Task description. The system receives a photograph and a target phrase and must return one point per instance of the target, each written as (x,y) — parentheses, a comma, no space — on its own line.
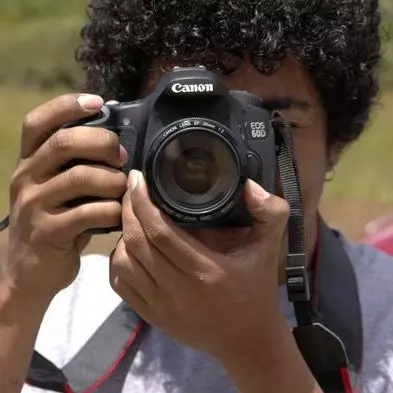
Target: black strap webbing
(296,269)
(43,374)
(337,296)
(332,348)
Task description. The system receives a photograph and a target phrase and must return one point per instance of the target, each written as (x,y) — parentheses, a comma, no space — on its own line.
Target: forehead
(290,81)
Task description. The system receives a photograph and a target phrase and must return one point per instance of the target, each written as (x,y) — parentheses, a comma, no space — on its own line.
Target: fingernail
(123,155)
(258,191)
(134,178)
(112,103)
(90,102)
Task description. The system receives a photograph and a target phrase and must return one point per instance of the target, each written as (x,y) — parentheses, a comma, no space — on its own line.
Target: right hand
(45,236)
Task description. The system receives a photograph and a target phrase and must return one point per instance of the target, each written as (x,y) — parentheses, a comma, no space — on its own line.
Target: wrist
(259,343)
(272,363)
(19,281)
(18,303)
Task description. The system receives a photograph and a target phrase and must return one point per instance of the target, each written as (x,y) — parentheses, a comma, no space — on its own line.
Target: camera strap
(298,285)
(322,349)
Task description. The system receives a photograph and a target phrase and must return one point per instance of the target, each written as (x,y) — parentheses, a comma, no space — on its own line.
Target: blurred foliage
(387,31)
(38,40)
(26,10)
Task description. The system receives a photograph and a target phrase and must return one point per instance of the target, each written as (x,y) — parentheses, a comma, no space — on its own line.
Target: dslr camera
(197,144)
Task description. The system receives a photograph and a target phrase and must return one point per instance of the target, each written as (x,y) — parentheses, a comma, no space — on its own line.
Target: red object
(68,389)
(379,234)
(346,380)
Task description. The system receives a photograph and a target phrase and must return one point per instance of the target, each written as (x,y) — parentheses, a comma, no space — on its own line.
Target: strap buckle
(297,278)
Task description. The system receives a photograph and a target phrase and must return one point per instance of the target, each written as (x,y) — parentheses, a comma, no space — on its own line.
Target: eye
(294,124)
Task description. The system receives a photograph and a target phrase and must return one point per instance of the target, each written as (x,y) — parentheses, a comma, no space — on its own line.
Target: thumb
(270,212)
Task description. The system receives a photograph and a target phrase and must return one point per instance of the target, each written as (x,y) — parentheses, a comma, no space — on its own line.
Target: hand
(45,236)
(216,302)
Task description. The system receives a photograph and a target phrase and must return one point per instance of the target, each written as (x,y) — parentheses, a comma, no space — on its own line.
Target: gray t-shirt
(164,366)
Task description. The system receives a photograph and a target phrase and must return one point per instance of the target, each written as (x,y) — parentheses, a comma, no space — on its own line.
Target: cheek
(312,163)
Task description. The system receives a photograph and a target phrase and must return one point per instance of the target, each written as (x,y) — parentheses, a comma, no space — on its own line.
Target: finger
(134,300)
(131,271)
(83,181)
(70,223)
(81,143)
(270,213)
(156,264)
(42,121)
(185,252)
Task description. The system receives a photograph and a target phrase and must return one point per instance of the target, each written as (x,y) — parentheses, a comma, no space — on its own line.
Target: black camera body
(196,143)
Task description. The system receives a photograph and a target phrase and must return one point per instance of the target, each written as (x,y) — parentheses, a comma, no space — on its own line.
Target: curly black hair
(336,41)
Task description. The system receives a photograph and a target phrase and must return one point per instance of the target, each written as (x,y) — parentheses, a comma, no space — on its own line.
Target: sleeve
(375,281)
(377,375)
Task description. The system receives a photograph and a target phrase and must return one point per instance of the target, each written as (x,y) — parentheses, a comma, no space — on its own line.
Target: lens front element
(196,171)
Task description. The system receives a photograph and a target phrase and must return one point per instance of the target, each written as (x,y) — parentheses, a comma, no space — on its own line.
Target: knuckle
(282,211)
(114,282)
(62,141)
(16,183)
(31,122)
(84,212)
(110,138)
(43,233)
(110,142)
(113,209)
(114,279)
(27,199)
(133,235)
(284,208)
(116,261)
(66,101)
(110,213)
(158,233)
(77,175)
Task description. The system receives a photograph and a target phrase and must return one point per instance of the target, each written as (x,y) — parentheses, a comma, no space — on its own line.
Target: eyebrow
(285,103)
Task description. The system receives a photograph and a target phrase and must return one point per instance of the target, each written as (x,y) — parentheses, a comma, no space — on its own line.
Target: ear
(333,156)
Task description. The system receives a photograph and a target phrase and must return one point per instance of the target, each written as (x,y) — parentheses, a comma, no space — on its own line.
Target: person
(219,313)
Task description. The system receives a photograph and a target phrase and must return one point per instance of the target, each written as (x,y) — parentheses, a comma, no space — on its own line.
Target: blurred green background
(37,43)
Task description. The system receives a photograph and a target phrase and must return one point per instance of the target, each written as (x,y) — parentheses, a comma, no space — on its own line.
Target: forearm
(20,319)
(280,368)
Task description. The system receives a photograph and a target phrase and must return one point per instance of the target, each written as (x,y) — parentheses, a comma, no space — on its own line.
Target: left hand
(215,302)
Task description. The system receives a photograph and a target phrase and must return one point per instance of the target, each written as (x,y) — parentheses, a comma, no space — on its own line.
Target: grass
(26,10)
(40,53)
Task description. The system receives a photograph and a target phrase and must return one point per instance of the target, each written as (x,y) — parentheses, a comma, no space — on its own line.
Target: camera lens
(196,171)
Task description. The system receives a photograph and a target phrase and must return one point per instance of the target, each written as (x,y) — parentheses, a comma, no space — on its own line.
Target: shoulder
(76,312)
(374,272)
